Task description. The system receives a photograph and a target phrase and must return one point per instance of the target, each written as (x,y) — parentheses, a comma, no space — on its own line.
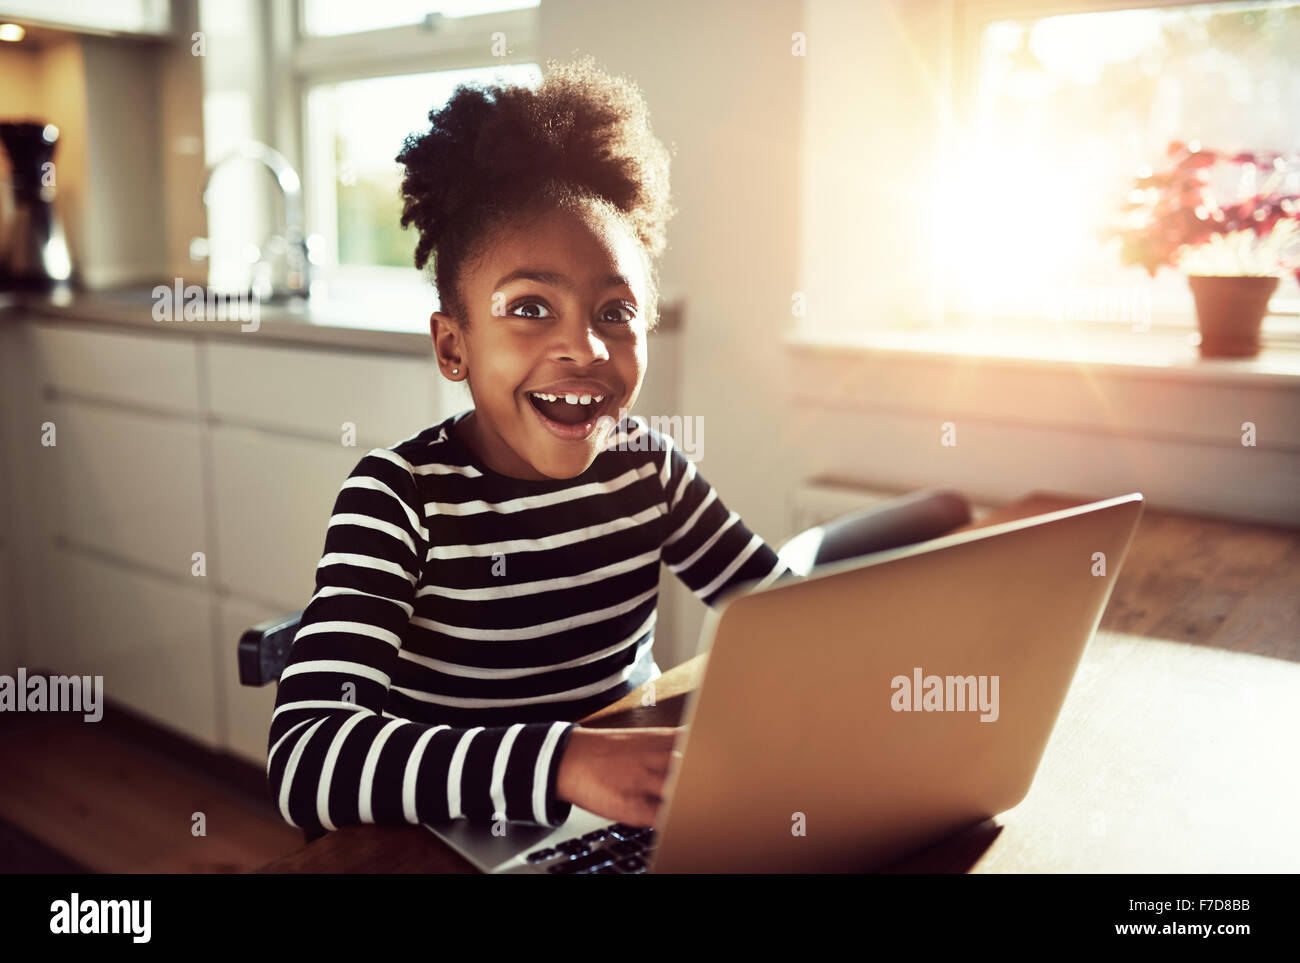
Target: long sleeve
(334,759)
(706,545)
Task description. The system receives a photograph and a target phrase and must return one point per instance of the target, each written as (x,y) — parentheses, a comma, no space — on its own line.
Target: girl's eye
(629,314)
(530,304)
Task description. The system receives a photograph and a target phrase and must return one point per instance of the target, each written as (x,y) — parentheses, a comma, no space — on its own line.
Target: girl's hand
(617,773)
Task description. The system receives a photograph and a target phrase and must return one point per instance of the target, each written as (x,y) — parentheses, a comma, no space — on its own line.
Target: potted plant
(1233,255)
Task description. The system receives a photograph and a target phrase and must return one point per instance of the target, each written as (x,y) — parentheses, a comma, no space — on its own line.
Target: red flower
(1171,198)
(1202,158)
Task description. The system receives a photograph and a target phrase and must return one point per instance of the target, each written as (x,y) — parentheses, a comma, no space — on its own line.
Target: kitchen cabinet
(129,483)
(15,444)
(136,369)
(167,445)
(171,442)
(316,392)
(9,616)
(271,501)
(119,515)
(150,637)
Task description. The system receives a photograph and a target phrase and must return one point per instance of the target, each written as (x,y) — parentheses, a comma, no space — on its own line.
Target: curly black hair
(497,152)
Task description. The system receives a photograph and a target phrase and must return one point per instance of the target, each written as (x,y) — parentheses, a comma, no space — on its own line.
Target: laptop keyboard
(615,849)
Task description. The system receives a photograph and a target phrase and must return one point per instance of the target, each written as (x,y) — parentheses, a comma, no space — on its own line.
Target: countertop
(393,321)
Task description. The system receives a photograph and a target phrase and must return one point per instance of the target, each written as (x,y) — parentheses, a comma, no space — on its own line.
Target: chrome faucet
(293,252)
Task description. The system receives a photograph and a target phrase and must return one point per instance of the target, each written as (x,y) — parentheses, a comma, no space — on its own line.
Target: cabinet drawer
(314,392)
(273,498)
(150,638)
(129,484)
(143,369)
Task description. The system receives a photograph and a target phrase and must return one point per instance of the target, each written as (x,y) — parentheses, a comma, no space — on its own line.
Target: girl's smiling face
(555,298)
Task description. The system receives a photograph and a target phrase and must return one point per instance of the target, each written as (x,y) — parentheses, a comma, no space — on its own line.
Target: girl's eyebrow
(556,280)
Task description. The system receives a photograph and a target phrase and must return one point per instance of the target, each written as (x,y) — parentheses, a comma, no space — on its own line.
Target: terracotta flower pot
(1229,311)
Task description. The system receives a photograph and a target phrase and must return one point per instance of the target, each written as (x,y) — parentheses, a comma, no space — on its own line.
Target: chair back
(264,649)
(905,520)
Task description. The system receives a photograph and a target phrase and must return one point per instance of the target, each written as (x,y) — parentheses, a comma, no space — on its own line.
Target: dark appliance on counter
(33,247)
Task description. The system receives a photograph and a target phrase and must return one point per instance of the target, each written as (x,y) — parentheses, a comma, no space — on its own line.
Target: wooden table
(1177,749)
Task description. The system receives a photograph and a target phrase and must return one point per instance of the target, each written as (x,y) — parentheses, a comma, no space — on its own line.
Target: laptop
(849,718)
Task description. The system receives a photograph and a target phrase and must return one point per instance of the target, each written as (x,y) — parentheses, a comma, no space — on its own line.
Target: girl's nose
(582,343)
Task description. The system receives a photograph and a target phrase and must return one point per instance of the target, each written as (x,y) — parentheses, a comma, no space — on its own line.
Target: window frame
(437,44)
(968,19)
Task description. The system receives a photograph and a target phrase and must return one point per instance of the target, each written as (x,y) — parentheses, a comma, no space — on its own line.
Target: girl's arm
(706,545)
(333,758)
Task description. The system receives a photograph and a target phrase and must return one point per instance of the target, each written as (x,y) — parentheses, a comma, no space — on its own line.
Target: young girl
(494,577)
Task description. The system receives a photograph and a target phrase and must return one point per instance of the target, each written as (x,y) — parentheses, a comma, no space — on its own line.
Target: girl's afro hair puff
(493,151)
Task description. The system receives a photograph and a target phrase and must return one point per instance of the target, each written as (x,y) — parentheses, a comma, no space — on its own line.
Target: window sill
(1096,415)
(1160,354)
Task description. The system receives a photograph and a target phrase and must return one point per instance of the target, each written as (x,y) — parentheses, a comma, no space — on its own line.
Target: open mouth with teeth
(568,409)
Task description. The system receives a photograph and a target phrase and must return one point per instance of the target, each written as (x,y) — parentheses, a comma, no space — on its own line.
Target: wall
(19,93)
(190,438)
(871,119)
(181,143)
(724,89)
(124,230)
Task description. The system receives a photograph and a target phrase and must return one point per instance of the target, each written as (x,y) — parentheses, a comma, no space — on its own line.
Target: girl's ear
(448,343)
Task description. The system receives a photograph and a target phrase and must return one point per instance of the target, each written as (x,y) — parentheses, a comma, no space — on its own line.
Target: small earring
(455,370)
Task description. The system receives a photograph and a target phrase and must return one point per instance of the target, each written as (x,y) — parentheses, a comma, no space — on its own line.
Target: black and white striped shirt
(463,619)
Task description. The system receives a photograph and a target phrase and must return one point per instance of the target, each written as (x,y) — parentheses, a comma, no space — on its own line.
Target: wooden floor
(89,798)
(1208,582)
(100,799)
(20,853)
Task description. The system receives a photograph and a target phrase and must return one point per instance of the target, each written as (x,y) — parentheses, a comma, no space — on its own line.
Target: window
(367,77)
(1062,112)
(330,18)
(355,130)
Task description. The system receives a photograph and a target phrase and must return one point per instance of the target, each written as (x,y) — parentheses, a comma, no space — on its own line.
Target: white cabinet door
(129,484)
(9,644)
(273,497)
(245,711)
(148,370)
(19,446)
(315,392)
(149,637)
